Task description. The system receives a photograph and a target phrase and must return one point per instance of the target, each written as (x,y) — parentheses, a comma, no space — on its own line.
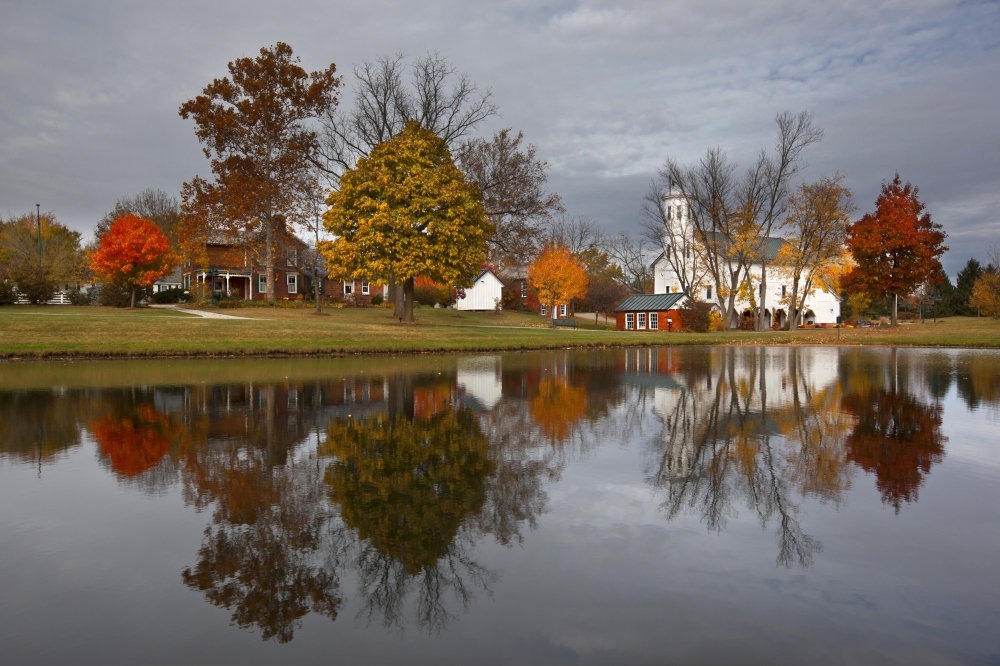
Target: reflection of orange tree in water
(558,407)
(407,489)
(135,441)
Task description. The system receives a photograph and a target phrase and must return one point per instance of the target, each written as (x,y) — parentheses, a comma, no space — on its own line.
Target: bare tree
(151,204)
(632,254)
(732,216)
(437,96)
(512,183)
(578,233)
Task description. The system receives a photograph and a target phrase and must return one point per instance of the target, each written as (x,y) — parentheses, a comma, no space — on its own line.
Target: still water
(728,505)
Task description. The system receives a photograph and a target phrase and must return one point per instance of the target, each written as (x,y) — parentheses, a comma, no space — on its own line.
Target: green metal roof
(650,302)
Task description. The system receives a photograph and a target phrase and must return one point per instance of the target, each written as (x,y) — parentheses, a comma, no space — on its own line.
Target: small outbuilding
(485,294)
(649,312)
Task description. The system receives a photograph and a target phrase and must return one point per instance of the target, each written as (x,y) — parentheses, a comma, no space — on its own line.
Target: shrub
(377,300)
(170,296)
(38,287)
(696,316)
(79,297)
(116,295)
(229,304)
(7,294)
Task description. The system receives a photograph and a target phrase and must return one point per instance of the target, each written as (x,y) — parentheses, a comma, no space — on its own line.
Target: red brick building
(649,312)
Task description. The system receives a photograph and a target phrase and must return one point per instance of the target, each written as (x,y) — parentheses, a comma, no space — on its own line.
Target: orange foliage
(428,401)
(134,252)
(557,275)
(135,443)
(897,438)
(558,407)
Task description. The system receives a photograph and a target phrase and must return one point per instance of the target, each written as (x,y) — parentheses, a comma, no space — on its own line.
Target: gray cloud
(606,90)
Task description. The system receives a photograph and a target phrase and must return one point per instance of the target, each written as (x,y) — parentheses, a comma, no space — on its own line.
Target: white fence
(59,298)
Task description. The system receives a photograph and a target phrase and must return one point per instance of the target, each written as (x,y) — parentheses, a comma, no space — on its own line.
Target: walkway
(201,313)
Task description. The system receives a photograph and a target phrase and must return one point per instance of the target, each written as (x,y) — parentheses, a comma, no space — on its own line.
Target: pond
(662,505)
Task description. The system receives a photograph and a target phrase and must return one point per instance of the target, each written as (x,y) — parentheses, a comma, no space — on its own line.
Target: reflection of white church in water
(687,402)
(820,307)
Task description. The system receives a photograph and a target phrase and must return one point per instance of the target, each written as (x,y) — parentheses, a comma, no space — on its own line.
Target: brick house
(649,312)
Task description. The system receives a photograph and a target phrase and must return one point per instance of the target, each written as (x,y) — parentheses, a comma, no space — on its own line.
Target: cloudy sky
(607,90)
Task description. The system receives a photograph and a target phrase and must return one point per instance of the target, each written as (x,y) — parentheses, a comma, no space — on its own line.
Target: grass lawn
(66,331)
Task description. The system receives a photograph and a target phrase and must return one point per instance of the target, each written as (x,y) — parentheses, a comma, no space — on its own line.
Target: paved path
(200,313)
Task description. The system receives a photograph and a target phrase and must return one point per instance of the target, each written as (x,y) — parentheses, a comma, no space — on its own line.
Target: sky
(606,90)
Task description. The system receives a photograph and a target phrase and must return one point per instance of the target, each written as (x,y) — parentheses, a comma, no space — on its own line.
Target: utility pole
(38,219)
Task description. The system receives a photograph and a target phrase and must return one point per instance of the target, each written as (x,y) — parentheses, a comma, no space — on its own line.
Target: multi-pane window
(365,287)
(545,310)
(641,317)
(654,321)
(348,287)
(562,310)
(292,256)
(261,284)
(629,321)
(524,288)
(708,294)
(292,281)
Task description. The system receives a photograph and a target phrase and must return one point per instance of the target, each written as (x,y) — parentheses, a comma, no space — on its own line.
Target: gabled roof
(650,302)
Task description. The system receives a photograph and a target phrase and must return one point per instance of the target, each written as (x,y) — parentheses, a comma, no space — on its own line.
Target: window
(545,311)
(629,321)
(348,287)
(654,321)
(670,212)
(708,294)
(187,281)
(641,321)
(292,256)
(365,287)
(524,288)
(782,291)
(562,310)
(680,212)
(261,284)
(293,283)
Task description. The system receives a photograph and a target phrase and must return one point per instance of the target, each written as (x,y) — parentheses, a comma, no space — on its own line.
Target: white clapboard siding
(484,295)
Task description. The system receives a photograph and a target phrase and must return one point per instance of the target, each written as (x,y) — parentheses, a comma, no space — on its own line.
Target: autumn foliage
(133,443)
(133,253)
(557,276)
(897,248)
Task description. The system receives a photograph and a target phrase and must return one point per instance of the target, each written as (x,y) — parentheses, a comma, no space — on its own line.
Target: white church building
(821,307)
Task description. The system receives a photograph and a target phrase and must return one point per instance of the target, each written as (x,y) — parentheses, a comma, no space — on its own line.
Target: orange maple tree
(557,276)
(897,248)
(133,253)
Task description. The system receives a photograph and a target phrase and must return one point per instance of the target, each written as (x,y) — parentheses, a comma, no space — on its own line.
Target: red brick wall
(663,316)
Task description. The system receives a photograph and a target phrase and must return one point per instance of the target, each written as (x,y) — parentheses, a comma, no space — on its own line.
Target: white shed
(484,294)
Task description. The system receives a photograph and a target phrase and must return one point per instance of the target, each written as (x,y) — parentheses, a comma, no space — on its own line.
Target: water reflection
(378,485)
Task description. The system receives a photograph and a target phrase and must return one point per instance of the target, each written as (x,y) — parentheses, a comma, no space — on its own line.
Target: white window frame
(654,321)
(640,321)
(292,282)
(545,310)
(261,283)
(562,310)
(348,287)
(524,288)
(708,294)
(366,288)
(629,321)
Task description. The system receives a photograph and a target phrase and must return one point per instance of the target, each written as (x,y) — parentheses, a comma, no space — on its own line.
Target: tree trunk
(793,308)
(319,309)
(269,262)
(895,309)
(408,300)
(763,291)
(133,296)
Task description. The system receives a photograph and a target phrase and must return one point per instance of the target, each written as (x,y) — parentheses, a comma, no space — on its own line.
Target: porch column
(227,284)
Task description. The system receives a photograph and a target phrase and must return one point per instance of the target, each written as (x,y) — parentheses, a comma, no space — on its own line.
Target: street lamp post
(38,219)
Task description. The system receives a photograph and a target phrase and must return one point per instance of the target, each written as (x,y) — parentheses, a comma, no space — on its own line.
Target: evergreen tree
(966,278)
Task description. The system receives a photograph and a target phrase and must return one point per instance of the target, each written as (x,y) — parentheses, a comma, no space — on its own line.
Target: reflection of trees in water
(767,427)
(897,436)
(727,439)
(38,426)
(133,440)
(977,375)
(264,555)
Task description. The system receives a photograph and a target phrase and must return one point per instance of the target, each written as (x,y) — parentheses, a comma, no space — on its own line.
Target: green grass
(81,332)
